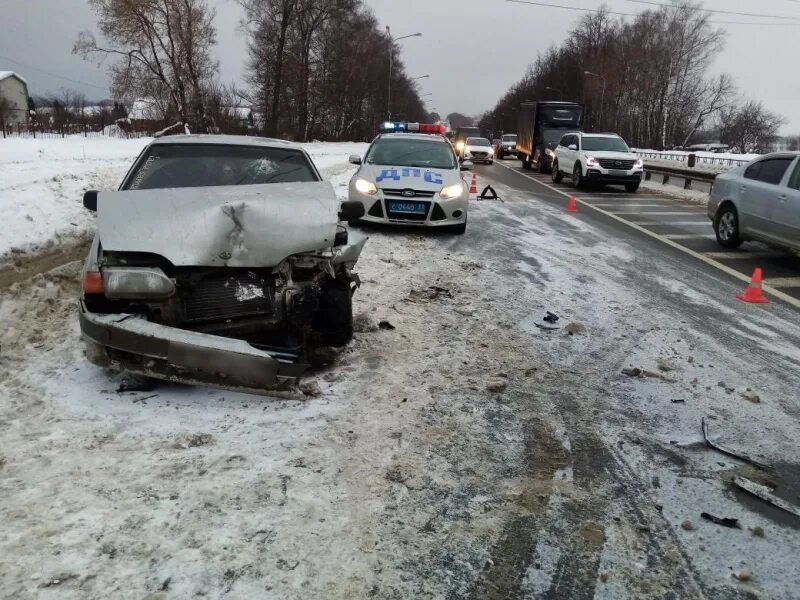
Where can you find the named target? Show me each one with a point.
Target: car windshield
(604, 144)
(510, 138)
(478, 142)
(206, 165)
(411, 152)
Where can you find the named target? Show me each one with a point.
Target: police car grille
(613, 163)
(230, 296)
(479, 154)
(399, 193)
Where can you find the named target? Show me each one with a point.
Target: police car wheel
(458, 229)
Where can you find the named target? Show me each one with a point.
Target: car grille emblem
(225, 255)
(408, 193)
(617, 163)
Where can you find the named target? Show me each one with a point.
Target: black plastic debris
(550, 317)
(386, 325)
(678, 401)
(634, 372)
(724, 521)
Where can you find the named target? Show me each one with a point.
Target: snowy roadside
(464, 451)
(41, 193)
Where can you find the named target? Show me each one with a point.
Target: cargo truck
(541, 126)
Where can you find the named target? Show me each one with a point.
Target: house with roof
(14, 90)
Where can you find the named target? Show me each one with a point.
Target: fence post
(687, 184)
(665, 180)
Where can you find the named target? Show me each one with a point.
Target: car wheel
(489, 162)
(334, 317)
(577, 176)
(458, 229)
(557, 175)
(631, 187)
(726, 227)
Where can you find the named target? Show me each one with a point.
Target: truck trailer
(541, 126)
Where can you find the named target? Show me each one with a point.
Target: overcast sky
(472, 50)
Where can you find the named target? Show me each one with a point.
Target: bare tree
(158, 45)
(749, 127)
(713, 97)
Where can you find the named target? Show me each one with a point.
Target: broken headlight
(136, 283)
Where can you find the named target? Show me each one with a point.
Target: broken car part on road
(716, 446)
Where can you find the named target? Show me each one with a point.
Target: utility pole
(391, 67)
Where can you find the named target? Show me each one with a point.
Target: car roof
(607, 135)
(225, 140)
(414, 136)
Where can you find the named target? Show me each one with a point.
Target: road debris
(678, 401)
(665, 365)
(496, 386)
(688, 526)
(716, 446)
(743, 575)
(757, 531)
(429, 294)
(385, 325)
(575, 328)
(310, 388)
(766, 494)
(632, 372)
(363, 323)
(751, 396)
(550, 317)
(724, 521)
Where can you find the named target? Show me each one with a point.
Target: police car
(410, 175)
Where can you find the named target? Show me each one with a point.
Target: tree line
(316, 69)
(646, 79)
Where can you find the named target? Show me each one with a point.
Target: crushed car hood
(235, 226)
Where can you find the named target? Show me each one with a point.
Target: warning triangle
(488, 193)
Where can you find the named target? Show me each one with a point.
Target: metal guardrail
(708, 160)
(687, 174)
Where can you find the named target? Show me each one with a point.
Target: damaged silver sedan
(220, 260)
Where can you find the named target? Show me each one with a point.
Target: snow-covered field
(465, 453)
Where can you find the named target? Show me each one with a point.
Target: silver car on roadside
(759, 201)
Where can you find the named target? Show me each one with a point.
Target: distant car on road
(597, 157)
(758, 201)
(508, 145)
(478, 149)
(462, 133)
(412, 179)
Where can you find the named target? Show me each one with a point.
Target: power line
(32, 68)
(625, 14)
(719, 12)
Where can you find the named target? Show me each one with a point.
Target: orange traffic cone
(573, 206)
(473, 189)
(753, 293)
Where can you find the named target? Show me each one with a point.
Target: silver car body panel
(233, 226)
(767, 212)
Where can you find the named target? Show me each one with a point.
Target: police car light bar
(389, 127)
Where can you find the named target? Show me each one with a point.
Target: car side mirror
(350, 211)
(90, 200)
(466, 165)
(572, 147)
(355, 159)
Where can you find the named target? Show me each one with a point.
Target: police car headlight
(549, 152)
(459, 145)
(491, 151)
(366, 187)
(451, 191)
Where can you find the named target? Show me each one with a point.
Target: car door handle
(782, 197)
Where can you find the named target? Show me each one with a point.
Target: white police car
(411, 176)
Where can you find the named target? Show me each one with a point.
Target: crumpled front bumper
(130, 343)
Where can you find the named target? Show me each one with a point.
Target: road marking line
(741, 255)
(670, 223)
(772, 291)
(781, 282)
(645, 213)
(688, 236)
(623, 205)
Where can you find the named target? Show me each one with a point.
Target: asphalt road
(673, 223)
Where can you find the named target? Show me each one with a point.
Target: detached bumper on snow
(125, 341)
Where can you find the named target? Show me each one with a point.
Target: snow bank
(42, 183)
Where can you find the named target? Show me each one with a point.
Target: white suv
(600, 157)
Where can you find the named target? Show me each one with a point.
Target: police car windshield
(411, 152)
(478, 142)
